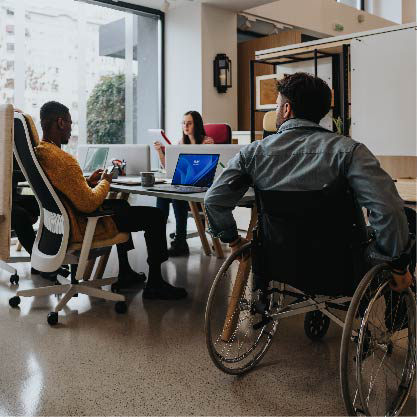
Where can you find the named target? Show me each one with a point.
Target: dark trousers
(25, 212)
(141, 218)
(181, 215)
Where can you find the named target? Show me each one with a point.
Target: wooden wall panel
(246, 52)
(399, 166)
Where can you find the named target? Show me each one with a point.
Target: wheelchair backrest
(312, 240)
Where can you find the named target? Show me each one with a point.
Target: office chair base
(14, 279)
(91, 288)
(14, 301)
(52, 318)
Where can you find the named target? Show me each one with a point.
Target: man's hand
(95, 177)
(401, 282)
(106, 176)
(237, 244)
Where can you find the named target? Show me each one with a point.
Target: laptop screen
(195, 169)
(95, 159)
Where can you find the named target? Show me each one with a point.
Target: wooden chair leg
(239, 286)
(200, 227)
(101, 266)
(89, 269)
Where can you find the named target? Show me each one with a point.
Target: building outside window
(85, 56)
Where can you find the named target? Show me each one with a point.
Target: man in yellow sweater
(82, 195)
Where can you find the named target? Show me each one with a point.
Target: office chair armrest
(99, 213)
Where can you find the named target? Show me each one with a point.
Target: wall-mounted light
(222, 66)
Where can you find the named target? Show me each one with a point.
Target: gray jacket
(304, 156)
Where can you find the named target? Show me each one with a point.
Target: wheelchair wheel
(238, 329)
(378, 351)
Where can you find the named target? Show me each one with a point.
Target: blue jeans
(181, 214)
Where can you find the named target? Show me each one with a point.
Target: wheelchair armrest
(99, 213)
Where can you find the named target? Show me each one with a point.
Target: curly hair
(50, 111)
(309, 96)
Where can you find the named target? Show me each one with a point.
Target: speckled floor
(153, 361)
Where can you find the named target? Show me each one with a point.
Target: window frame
(142, 10)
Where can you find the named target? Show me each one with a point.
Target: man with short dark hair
(87, 195)
(304, 156)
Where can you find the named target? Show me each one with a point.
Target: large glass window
(103, 63)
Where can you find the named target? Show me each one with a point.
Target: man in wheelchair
(304, 156)
(311, 241)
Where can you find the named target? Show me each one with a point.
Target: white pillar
(82, 86)
(20, 49)
(129, 77)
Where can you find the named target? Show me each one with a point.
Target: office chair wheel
(238, 323)
(52, 318)
(316, 325)
(378, 349)
(14, 301)
(14, 279)
(121, 307)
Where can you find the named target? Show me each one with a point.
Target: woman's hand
(208, 141)
(158, 146)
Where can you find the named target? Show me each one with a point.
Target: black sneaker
(130, 280)
(164, 291)
(179, 248)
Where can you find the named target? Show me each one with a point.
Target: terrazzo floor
(153, 361)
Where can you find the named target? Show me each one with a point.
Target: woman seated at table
(194, 134)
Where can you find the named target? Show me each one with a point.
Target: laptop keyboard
(182, 188)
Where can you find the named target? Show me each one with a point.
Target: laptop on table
(96, 158)
(194, 173)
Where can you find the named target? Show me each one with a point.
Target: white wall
(384, 92)
(387, 9)
(183, 66)
(320, 15)
(194, 35)
(219, 35)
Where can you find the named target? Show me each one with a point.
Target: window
(357, 4)
(10, 65)
(87, 56)
(9, 83)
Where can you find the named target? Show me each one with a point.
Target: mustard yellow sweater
(66, 176)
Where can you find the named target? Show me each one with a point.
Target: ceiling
(234, 5)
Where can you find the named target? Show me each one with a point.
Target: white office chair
(52, 248)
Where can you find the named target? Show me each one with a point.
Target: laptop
(194, 173)
(96, 158)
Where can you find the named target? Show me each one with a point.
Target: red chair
(220, 132)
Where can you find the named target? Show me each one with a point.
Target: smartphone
(110, 169)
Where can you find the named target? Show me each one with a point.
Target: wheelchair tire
(370, 342)
(252, 334)
(316, 325)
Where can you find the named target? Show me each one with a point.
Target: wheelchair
(307, 256)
